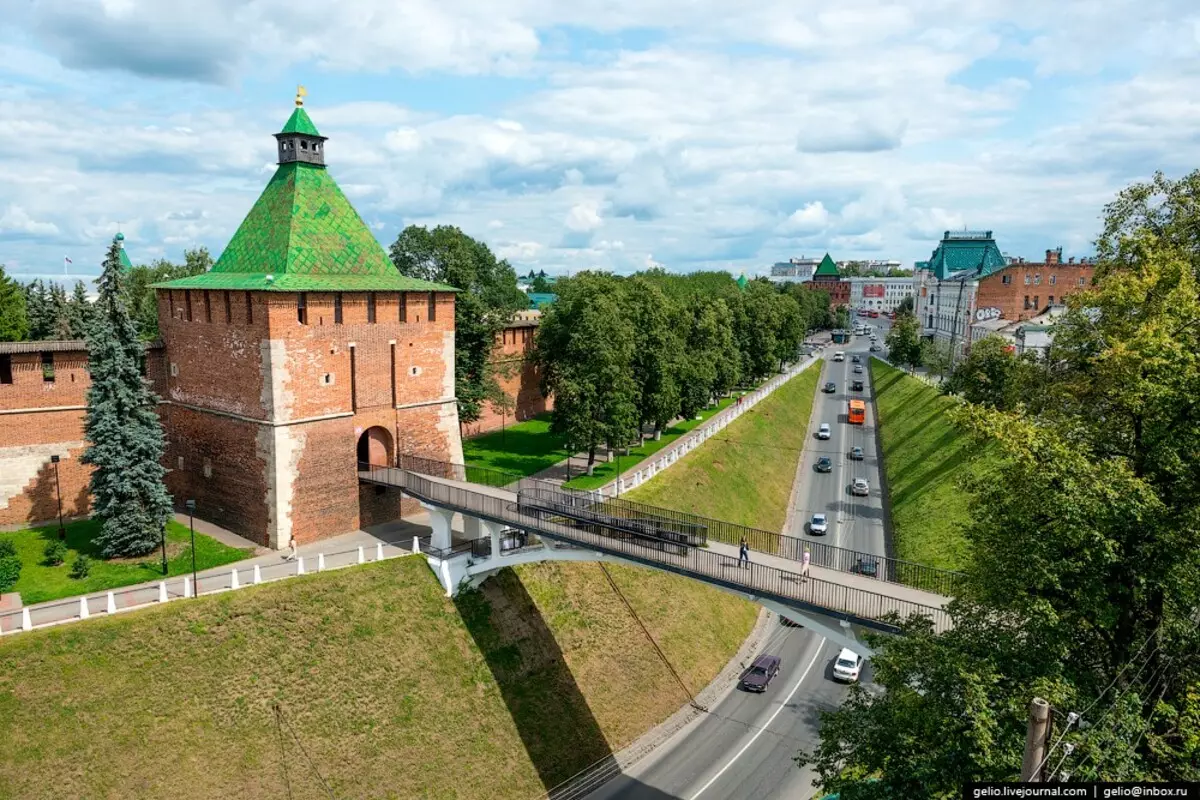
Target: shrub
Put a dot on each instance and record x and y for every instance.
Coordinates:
(55, 553)
(81, 567)
(7, 548)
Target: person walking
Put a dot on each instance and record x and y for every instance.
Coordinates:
(804, 563)
(744, 553)
(291, 556)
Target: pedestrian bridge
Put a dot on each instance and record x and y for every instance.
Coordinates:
(530, 521)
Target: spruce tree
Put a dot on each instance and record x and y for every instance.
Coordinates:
(41, 316)
(125, 439)
(14, 322)
(80, 312)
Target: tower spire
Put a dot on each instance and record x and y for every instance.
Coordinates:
(301, 93)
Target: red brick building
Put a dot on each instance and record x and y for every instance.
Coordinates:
(1022, 290)
(518, 377)
(828, 279)
(300, 353)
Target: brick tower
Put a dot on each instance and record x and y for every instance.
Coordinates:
(300, 352)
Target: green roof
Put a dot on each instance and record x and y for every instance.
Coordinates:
(826, 269)
(119, 240)
(299, 122)
(304, 235)
(969, 250)
(539, 299)
(742, 282)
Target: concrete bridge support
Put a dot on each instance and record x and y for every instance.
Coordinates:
(440, 521)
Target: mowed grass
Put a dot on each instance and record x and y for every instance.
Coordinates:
(745, 473)
(524, 448)
(390, 688)
(923, 457)
(40, 581)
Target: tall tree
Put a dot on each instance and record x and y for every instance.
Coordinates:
(40, 307)
(791, 331)
(60, 312)
(584, 349)
(80, 312)
(124, 434)
(988, 375)
(906, 306)
(487, 300)
(14, 319)
(762, 330)
(935, 357)
(904, 343)
(657, 354)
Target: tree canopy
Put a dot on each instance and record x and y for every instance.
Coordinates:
(14, 320)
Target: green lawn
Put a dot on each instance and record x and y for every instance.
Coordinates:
(524, 448)
(607, 471)
(388, 689)
(40, 582)
(923, 455)
(745, 473)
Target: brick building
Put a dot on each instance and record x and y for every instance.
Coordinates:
(969, 288)
(300, 353)
(826, 278)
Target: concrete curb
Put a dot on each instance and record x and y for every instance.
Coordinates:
(595, 776)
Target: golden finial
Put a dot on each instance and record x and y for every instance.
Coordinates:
(301, 93)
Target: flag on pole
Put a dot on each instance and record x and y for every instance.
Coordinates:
(65, 262)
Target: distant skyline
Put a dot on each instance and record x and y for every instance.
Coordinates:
(611, 134)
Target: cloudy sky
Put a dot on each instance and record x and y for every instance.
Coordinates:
(596, 133)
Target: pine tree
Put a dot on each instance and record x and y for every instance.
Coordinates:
(14, 320)
(59, 312)
(123, 430)
(41, 315)
(80, 312)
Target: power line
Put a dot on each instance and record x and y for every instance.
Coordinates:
(282, 750)
(311, 763)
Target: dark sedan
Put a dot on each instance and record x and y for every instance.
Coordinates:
(760, 673)
(857, 386)
(824, 464)
(829, 388)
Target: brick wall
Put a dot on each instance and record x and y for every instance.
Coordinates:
(1006, 289)
(519, 378)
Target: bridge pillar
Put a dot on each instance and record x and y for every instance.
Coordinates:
(492, 529)
(471, 527)
(439, 521)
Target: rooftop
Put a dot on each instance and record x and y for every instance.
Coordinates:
(826, 269)
(973, 253)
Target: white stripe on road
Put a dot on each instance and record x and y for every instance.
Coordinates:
(754, 738)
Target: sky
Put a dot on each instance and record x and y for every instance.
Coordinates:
(610, 134)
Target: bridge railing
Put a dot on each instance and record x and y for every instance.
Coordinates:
(821, 554)
(754, 578)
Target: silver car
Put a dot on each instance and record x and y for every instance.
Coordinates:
(860, 487)
(818, 525)
(824, 432)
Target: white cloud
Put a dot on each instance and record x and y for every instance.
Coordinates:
(812, 218)
(583, 218)
(519, 251)
(16, 221)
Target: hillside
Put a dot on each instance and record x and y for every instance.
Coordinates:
(923, 455)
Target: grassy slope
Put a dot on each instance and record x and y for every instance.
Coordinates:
(745, 473)
(922, 455)
(393, 690)
(40, 582)
(524, 448)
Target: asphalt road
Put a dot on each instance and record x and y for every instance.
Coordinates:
(744, 746)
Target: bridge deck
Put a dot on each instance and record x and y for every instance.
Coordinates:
(858, 598)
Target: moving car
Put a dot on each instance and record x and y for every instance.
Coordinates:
(860, 487)
(855, 359)
(847, 666)
(858, 369)
(818, 525)
(857, 386)
(823, 432)
(875, 348)
(824, 464)
(856, 454)
(760, 673)
(839, 356)
(830, 388)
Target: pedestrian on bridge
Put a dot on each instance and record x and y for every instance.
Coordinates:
(744, 553)
(804, 562)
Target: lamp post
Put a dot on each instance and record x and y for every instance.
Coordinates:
(62, 532)
(618, 472)
(191, 509)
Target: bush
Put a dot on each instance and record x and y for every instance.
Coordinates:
(81, 567)
(10, 570)
(7, 548)
(55, 553)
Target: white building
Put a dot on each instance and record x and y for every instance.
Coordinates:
(794, 270)
(879, 294)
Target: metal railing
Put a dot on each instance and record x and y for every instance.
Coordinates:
(891, 570)
(866, 607)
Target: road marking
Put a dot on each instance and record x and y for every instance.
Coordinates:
(760, 731)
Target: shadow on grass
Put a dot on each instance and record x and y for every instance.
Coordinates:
(551, 714)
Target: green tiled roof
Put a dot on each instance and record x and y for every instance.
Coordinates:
(299, 122)
(119, 239)
(303, 231)
(742, 282)
(540, 299)
(957, 252)
(826, 269)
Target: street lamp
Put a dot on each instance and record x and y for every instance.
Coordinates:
(62, 532)
(190, 505)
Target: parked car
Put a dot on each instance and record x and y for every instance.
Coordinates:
(857, 386)
(854, 359)
(829, 388)
(860, 487)
(824, 432)
(824, 464)
(847, 666)
(856, 454)
(818, 525)
(858, 369)
(760, 673)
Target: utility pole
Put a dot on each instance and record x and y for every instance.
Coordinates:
(1035, 741)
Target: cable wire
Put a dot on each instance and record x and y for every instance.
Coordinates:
(311, 763)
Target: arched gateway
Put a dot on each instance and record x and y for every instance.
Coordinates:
(375, 447)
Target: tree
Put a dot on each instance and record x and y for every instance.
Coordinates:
(141, 300)
(791, 331)
(14, 320)
(39, 304)
(935, 357)
(80, 312)
(762, 324)
(124, 434)
(487, 300)
(988, 375)
(541, 285)
(904, 342)
(584, 349)
(841, 317)
(657, 354)
(60, 312)
(906, 306)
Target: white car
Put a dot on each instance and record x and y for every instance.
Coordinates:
(847, 666)
(839, 356)
(818, 525)
(824, 432)
(860, 487)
